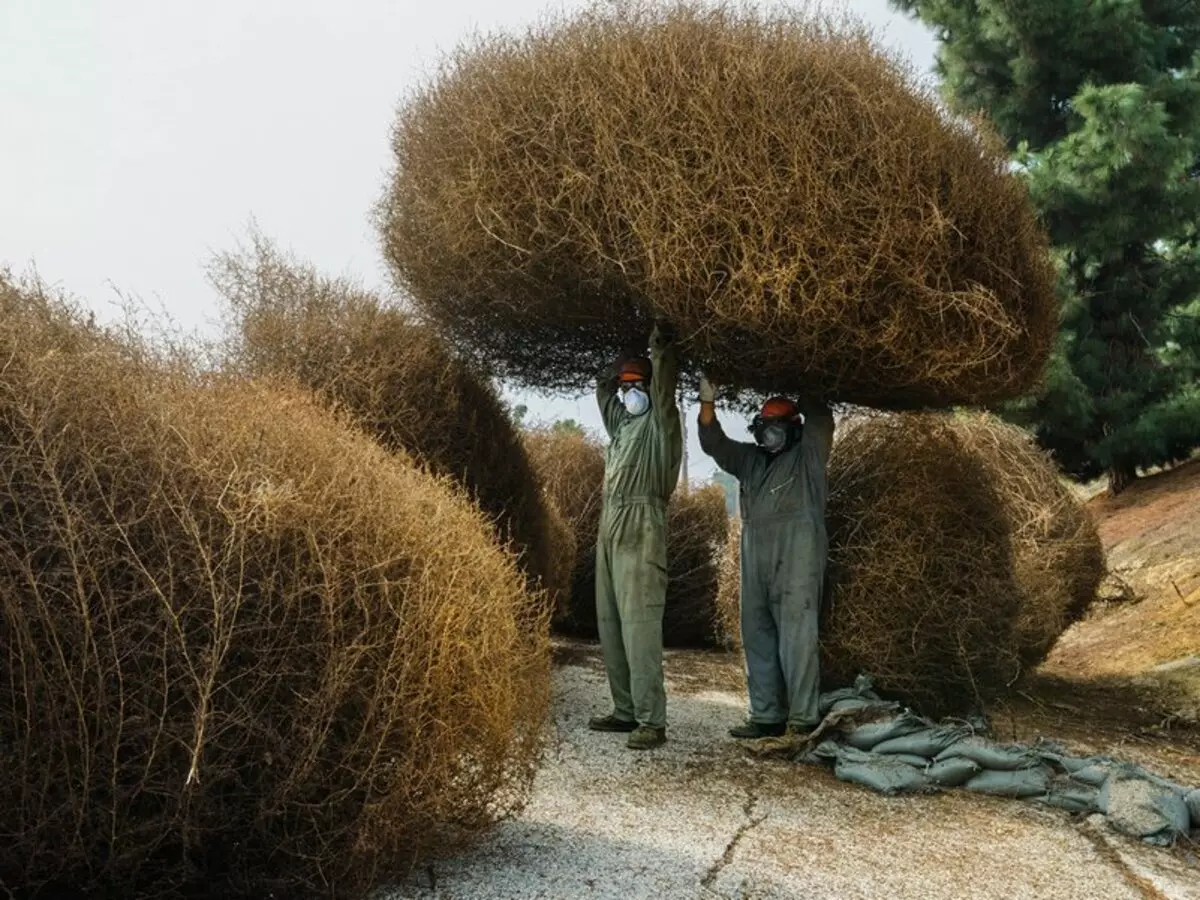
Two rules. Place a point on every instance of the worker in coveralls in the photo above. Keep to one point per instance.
(783, 484)
(637, 402)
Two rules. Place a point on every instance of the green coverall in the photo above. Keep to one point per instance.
(784, 547)
(641, 470)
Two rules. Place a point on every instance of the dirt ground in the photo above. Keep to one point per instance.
(1151, 533)
(701, 818)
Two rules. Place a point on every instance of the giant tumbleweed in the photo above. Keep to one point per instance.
(772, 182)
(956, 558)
(244, 651)
(398, 381)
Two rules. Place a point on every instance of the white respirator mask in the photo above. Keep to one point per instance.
(636, 401)
(773, 438)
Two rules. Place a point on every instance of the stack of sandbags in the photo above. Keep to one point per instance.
(399, 382)
(948, 572)
(570, 465)
(775, 185)
(244, 651)
(877, 744)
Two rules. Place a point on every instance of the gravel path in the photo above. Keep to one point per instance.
(699, 820)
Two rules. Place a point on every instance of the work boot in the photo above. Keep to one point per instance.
(646, 737)
(611, 723)
(753, 730)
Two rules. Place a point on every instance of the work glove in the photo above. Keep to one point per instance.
(707, 393)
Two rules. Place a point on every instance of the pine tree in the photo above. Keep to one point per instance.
(1099, 101)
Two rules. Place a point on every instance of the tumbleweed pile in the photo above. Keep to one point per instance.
(244, 651)
(774, 184)
(398, 380)
(697, 523)
(956, 559)
(1058, 558)
(571, 467)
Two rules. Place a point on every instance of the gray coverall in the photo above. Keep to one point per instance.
(784, 547)
(641, 470)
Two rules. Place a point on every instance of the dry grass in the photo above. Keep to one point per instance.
(771, 182)
(1151, 534)
(921, 572)
(571, 467)
(244, 651)
(697, 523)
(957, 558)
(398, 381)
(728, 617)
(1058, 560)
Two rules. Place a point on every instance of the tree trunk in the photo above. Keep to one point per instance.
(1120, 477)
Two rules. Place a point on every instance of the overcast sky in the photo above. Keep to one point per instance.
(137, 137)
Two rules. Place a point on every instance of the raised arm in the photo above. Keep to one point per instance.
(664, 358)
(818, 427)
(608, 400)
(733, 456)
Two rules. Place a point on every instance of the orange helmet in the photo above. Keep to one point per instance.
(636, 369)
(779, 408)
(776, 412)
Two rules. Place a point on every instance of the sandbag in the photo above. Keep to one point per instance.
(826, 751)
(866, 737)
(1137, 806)
(991, 755)
(850, 703)
(884, 774)
(1065, 794)
(1095, 774)
(1070, 764)
(1031, 782)
(1192, 801)
(927, 742)
(953, 772)
(858, 694)
(912, 759)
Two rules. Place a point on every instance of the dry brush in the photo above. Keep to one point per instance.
(399, 382)
(243, 649)
(957, 558)
(773, 183)
(571, 467)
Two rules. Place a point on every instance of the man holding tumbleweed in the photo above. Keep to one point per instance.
(637, 402)
(783, 484)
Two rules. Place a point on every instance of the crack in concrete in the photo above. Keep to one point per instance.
(752, 821)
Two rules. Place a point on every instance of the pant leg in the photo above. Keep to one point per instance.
(801, 576)
(608, 623)
(639, 566)
(760, 634)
